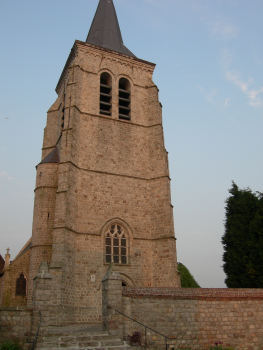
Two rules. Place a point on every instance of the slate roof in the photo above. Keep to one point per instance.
(105, 30)
(52, 157)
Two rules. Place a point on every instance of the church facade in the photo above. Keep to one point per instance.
(102, 187)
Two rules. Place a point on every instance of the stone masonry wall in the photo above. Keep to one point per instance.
(15, 324)
(196, 318)
(110, 171)
(12, 272)
(43, 219)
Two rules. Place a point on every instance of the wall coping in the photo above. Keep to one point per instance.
(208, 294)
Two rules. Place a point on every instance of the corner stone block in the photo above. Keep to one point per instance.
(42, 284)
(112, 301)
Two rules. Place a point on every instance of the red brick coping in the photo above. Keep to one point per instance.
(209, 294)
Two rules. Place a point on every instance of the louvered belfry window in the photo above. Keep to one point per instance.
(124, 99)
(105, 94)
(21, 285)
(116, 245)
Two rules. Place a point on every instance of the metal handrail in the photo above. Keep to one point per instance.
(35, 338)
(146, 327)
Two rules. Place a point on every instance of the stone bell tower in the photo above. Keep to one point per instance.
(103, 188)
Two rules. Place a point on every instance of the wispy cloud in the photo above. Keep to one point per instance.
(227, 101)
(210, 95)
(4, 176)
(220, 29)
(252, 94)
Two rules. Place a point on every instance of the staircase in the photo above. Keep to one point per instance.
(80, 338)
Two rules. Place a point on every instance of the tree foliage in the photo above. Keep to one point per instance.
(187, 280)
(243, 239)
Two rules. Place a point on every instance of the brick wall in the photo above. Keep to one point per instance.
(196, 318)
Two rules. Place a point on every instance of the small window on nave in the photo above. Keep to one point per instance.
(124, 99)
(116, 245)
(21, 285)
(105, 94)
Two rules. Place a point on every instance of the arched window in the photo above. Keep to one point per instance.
(105, 93)
(116, 245)
(21, 285)
(124, 99)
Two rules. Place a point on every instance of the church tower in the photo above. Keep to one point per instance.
(103, 188)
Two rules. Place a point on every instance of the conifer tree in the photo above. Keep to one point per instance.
(243, 239)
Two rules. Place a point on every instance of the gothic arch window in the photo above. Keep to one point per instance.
(116, 245)
(124, 99)
(21, 285)
(105, 93)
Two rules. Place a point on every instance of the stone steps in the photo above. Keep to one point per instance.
(82, 341)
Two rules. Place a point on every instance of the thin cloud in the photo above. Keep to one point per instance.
(209, 96)
(222, 30)
(3, 174)
(227, 101)
(253, 95)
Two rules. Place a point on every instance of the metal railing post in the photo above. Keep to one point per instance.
(32, 347)
(145, 346)
(145, 337)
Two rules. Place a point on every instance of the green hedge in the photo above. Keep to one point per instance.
(187, 280)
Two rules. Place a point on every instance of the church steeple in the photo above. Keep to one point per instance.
(105, 30)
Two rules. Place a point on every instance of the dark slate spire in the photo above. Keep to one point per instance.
(105, 30)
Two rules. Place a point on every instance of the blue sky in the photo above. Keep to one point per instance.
(209, 58)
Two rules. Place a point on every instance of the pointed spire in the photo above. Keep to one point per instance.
(105, 30)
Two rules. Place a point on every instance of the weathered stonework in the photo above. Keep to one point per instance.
(111, 301)
(8, 297)
(97, 173)
(15, 324)
(110, 171)
(196, 318)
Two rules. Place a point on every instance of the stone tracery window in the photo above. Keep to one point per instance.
(116, 245)
(21, 285)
